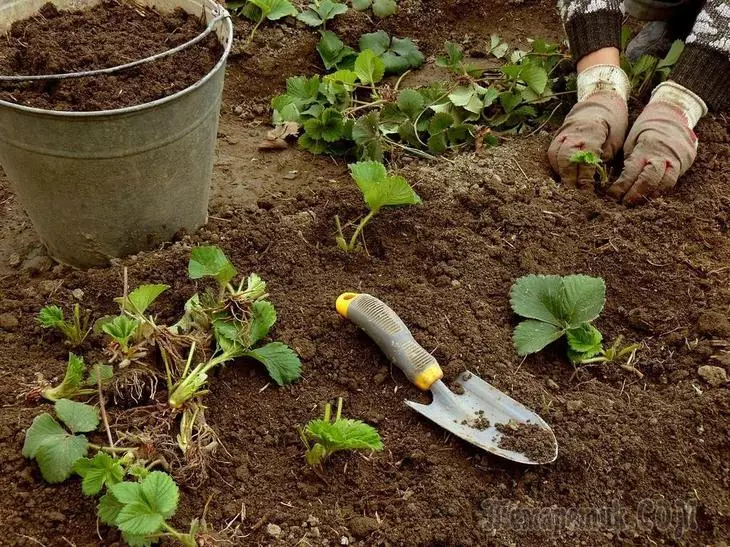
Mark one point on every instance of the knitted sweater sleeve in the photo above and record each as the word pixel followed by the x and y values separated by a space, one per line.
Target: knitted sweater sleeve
pixel 704 67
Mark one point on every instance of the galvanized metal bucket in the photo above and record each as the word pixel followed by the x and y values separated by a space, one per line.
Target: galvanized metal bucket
pixel 106 184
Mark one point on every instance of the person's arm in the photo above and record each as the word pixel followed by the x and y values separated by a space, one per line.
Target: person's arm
pixel 662 144
pixel 598 122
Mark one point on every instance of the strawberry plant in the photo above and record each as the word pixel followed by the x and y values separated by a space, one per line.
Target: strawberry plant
pixel 381 8
pixel 320 11
pixel 239 317
pixel 323 437
pixel 591 159
pixel 353 112
pixel 260 10
pixel 556 306
pixel 75 330
pixel 76 382
pixel 647 71
pixel 379 189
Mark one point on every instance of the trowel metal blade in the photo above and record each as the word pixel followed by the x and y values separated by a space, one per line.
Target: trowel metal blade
pixel 457 412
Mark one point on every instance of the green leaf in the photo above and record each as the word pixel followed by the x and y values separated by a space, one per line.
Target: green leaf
pixel 328 127
pixel 43 429
pixel 56 459
pixel 50 317
pixel 345 77
pixel 438 143
pixel 531 336
pixel 361 5
pixel 332 50
pixel 141 298
pixel 139 519
pixel 99 372
pixel 672 56
pixel 344 434
pixel 280 360
pixel 210 262
pixel 72 380
pixel 263 317
pixel 584 298
pixel 497 47
pixel 535 77
pixel 319 13
pixel 384 8
pixel 78 417
pixel 379 189
pixel 127 492
pixel 108 509
pixel 454 56
pixel 133 540
pixel 366 134
pixel 539 297
pixel 102 470
pixel 161 493
pixel 303 90
pixel 408 50
pixel 440 123
pixel 586 157
pixel 121 329
pixel 411 103
pixel 377 42
pixel 467 97
pixel 585 339
pixel 275 9
pixel 509 100
pixel 369 67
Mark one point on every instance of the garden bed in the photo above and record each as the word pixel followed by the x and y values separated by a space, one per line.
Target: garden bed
pixel 651 450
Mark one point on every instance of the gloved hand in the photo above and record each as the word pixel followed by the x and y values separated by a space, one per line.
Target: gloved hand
pixel 661 145
pixel 597 123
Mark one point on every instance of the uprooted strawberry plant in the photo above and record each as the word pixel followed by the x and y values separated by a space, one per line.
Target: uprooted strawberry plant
pixel 224 322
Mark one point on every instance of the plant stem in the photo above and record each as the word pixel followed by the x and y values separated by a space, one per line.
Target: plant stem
pixel 191 353
pixel 253 31
pixel 102 408
pixel 339 409
pixel 359 228
pixel 111 449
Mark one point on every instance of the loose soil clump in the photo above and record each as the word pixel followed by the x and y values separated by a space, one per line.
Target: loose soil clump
pixel 107 35
pixel 529 439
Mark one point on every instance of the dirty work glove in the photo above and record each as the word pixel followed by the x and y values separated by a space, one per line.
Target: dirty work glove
pixel 597 123
pixel 661 145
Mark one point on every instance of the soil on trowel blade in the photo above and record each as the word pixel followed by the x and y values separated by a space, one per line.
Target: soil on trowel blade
pixel 107 35
pixel 529 439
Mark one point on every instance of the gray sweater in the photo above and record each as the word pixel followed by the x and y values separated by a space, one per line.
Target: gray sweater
pixel 704 67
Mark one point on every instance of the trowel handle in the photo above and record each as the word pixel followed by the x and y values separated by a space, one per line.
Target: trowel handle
pixel 392 336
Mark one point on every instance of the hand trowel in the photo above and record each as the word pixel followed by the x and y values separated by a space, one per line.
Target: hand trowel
pixel 474 412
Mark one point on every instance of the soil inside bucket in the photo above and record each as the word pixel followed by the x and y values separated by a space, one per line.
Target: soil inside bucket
pixel 109 34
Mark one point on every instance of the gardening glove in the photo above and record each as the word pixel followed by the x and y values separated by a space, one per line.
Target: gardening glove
pixel 661 146
pixel 597 123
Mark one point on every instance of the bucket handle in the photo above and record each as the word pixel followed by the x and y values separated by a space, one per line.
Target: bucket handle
pixel 223 14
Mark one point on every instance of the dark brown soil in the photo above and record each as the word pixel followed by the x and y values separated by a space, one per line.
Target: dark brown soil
pixel 529 439
pixel 648 455
pixel 110 34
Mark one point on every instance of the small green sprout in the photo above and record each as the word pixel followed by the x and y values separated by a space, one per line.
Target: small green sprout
pixel 74 330
pixel 260 10
pixel 381 8
pixel 379 190
pixel 330 436
pixel 76 383
pixel 591 159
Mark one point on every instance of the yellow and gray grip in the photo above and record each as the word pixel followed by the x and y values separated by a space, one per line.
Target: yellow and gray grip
pixel 392 336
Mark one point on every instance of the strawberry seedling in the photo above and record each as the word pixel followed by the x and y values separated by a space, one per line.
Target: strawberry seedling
pixel 329 436
pixel 76 383
pixel 260 10
pixel 239 317
pixel 320 11
pixel 381 8
pixel 556 306
pixel 379 189
pixel 75 330
pixel 591 159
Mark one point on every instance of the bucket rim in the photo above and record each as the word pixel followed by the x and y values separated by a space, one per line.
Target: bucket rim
pixel 139 107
